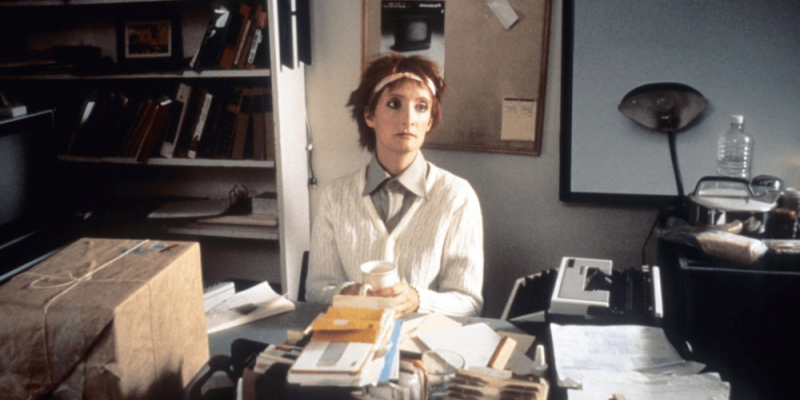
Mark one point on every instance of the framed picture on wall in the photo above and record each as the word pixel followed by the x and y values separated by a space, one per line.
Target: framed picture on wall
pixel 495 65
pixel 149 43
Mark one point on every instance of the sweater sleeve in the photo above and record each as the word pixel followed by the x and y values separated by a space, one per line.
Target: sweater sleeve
pixel 326 276
pixel 460 281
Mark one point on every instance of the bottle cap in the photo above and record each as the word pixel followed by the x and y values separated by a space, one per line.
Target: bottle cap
pixel 737 119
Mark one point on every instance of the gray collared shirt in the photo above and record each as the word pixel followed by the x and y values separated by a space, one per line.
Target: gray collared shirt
pixel 393 195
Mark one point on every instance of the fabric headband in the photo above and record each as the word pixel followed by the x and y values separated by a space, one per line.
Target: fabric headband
pixel 398 75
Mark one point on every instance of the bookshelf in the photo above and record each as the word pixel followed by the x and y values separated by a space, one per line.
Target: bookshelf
pixel 36 27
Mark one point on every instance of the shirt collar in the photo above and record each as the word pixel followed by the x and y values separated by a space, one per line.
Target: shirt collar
pixel 413 178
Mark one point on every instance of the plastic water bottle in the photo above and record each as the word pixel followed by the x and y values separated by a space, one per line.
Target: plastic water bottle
pixel 735 150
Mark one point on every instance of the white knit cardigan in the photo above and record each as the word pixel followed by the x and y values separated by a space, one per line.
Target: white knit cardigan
pixel 437 246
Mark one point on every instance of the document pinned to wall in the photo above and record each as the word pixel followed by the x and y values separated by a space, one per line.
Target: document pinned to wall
pixel 519 120
pixel 503 11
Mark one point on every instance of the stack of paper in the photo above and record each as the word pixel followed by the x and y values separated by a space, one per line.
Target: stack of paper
pixel 349 347
pixel 636 362
pixel 485 386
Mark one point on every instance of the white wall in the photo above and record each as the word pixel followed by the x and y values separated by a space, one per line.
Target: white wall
pixel 527 229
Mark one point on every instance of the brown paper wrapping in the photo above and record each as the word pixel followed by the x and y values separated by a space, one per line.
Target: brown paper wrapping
pixel 105 319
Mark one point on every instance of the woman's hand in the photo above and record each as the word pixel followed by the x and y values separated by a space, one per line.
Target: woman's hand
pixel 406 298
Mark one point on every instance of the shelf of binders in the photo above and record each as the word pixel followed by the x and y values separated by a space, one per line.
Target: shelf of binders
pixel 174 162
pixel 188 74
pixel 55 3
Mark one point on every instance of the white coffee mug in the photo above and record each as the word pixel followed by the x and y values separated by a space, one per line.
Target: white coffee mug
pixel 377 275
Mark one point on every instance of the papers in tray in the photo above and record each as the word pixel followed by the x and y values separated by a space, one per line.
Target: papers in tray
pixel 471 384
pixel 635 361
pixel 255 303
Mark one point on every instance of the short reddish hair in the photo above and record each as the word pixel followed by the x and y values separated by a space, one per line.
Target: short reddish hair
pixel 362 99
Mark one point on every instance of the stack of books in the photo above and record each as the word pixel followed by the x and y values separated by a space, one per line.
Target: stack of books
pixel 235 38
pixel 349 347
pixel 196 122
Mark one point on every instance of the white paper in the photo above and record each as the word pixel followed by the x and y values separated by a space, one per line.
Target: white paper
pixel 255 303
pixel 317 357
pixel 519 120
pixel 612 348
pixel 476 342
pixel 409 341
pixel 503 11
pixel 638 386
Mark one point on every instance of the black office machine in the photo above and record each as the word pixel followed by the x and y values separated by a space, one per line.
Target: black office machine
pixel 584 289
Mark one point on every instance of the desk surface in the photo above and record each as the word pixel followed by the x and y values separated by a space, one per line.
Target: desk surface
pixel 273 329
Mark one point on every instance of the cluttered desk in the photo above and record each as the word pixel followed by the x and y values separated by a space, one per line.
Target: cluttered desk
pixel 144 332
pixel 587 354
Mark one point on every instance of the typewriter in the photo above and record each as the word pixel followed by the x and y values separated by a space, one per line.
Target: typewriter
pixel 588 290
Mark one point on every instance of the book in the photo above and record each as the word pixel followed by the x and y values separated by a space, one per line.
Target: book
pixel 257 50
pixel 199 124
pixel 225 124
pixel 181 105
pixel 257 22
pixel 351 324
pixel 142 124
pixel 236 35
pixel 210 50
pixel 87 133
pixel 155 132
pixel 263 135
pixel 125 126
pixel 242 41
pixel 242 126
pixel 83 116
pixel 108 128
pixel 252 304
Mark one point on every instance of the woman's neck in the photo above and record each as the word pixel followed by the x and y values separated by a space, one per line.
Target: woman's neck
pixel 396 163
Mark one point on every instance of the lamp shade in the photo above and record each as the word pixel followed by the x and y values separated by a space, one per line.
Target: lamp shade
pixel 663 107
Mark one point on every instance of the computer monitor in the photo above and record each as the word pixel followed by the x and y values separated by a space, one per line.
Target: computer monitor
pixel 30 178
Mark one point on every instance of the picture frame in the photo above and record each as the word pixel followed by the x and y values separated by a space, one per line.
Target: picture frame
pixel 149 43
pixel 495 75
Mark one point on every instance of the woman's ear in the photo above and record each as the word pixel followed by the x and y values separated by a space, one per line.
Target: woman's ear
pixel 370 119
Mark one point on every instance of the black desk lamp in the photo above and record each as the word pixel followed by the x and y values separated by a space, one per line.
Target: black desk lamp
pixel 666 108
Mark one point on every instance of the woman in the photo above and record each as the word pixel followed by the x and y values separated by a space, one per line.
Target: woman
pixel 400 208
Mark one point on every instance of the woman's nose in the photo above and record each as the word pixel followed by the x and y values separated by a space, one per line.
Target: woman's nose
pixel 409 118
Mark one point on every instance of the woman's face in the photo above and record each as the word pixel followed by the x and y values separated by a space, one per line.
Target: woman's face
pixel 402 119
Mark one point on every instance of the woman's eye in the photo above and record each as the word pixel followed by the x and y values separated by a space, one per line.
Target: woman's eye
pixel 422 107
pixel 393 104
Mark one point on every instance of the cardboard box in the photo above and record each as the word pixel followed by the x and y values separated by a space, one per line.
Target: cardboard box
pixel 105 319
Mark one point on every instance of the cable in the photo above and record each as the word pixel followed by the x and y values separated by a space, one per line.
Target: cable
pixel 312 181
pixel 649 235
